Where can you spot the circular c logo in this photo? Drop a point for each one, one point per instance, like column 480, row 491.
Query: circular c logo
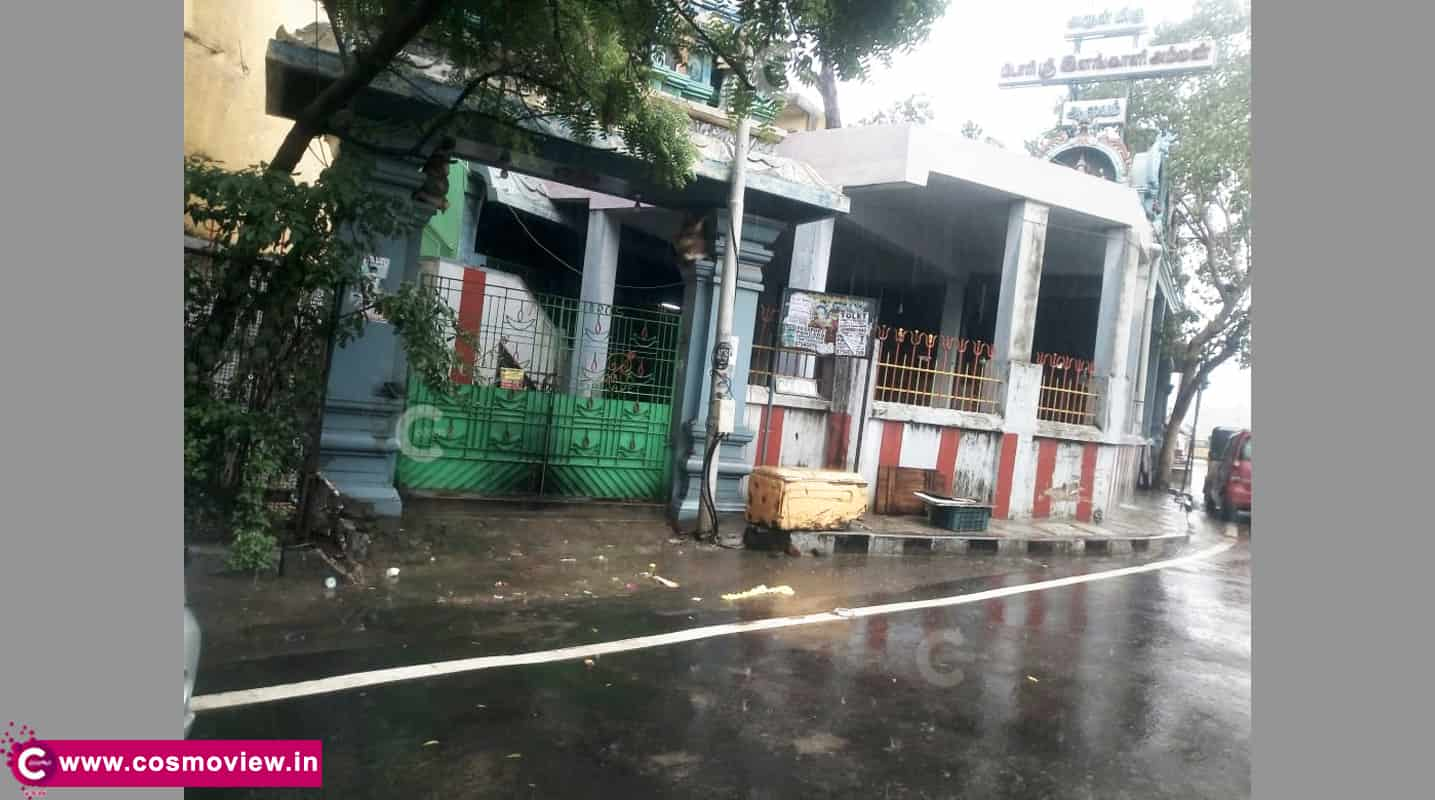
column 407, row 421
column 34, row 764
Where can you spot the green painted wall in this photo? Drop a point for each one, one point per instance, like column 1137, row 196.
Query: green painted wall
column 440, row 238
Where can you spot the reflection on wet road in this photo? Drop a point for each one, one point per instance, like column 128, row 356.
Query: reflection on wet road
column 1137, row 686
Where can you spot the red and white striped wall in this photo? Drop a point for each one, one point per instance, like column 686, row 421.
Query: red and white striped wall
column 1064, row 479
column 786, row 436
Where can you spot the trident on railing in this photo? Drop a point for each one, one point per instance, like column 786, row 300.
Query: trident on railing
column 1066, row 394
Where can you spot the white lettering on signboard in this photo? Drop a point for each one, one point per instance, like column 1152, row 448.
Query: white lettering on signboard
column 1169, row 59
column 1094, row 112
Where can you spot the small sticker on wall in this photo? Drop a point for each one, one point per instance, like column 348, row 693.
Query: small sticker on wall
column 377, row 267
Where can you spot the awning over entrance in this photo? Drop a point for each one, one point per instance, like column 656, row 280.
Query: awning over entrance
column 779, row 188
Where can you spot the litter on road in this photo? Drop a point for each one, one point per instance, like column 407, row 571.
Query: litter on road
column 760, row 590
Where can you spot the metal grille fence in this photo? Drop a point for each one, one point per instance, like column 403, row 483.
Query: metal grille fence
column 769, row 359
column 926, row 369
column 1068, row 392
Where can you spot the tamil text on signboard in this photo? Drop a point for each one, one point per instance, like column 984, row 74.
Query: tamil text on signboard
column 1094, row 112
column 1139, row 62
column 827, row 324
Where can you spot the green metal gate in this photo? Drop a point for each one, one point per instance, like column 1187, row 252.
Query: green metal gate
column 566, row 399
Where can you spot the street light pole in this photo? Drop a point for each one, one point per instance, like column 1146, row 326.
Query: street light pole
column 722, row 406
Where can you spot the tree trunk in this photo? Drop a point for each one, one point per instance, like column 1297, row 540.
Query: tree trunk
column 310, row 122
column 1185, row 393
column 827, row 85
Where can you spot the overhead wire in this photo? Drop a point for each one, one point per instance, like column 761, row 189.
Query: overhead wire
column 570, row 267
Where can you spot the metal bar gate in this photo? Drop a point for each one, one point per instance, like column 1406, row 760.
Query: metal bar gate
column 563, row 398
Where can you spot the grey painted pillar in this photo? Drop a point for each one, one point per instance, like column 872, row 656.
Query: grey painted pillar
column 952, row 303
column 1153, row 404
column 359, row 446
column 595, row 315
column 690, row 408
column 1143, row 319
column 1112, row 368
column 1021, row 281
column 1016, row 310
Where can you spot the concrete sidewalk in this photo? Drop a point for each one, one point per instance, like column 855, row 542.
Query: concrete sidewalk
column 1152, row 522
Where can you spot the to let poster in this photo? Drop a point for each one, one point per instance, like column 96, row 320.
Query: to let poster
column 827, row 324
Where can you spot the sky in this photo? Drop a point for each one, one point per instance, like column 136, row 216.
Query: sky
column 958, row 68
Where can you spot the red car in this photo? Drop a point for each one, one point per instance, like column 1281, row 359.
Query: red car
column 1227, row 489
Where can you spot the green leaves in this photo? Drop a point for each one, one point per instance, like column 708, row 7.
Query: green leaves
column 260, row 309
column 587, row 64
column 915, row 108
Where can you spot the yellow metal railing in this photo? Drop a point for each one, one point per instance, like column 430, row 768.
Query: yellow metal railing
column 767, row 358
column 1068, row 391
column 917, row 368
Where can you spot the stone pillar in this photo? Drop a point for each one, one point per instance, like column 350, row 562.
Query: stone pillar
column 952, row 303
column 696, row 340
column 1112, row 370
column 811, row 251
column 1021, row 281
column 1154, row 404
column 359, row 445
column 594, row 321
column 1144, row 320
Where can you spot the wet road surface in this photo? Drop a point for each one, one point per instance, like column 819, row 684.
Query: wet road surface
column 1132, row 687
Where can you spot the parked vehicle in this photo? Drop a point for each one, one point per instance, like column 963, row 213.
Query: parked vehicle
column 1227, row 489
column 1218, row 440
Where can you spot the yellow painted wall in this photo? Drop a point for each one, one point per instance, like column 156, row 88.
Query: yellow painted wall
column 224, row 46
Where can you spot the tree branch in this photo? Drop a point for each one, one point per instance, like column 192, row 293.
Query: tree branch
column 447, row 116
column 331, row 9
column 311, row 121
column 713, row 46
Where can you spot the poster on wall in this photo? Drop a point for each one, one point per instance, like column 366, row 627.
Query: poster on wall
column 827, row 324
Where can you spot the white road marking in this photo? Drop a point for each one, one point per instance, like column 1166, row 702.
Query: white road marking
column 358, row 680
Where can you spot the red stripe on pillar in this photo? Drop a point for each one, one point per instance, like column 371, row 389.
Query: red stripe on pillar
column 891, row 452
column 1088, row 482
column 1005, row 469
column 470, row 316
column 769, row 441
column 947, row 459
column 839, row 426
column 1045, row 472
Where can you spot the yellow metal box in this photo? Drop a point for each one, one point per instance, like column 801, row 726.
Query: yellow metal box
column 792, row 499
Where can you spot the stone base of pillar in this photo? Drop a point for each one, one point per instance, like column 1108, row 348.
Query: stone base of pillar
column 358, row 454
column 733, row 467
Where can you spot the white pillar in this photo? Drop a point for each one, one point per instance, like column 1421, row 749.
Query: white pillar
column 811, row 251
column 594, row 321
column 1119, row 283
column 1021, row 281
column 952, row 304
